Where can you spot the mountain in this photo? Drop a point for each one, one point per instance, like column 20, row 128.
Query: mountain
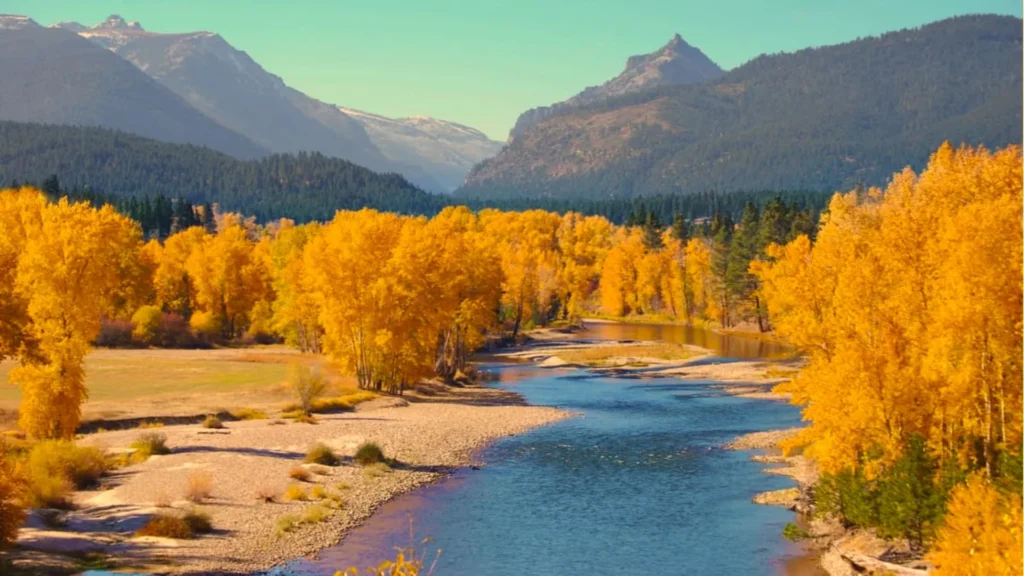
column 446, row 150
column 819, row 119
column 227, row 85
column 54, row 75
column 303, row 186
column 675, row 63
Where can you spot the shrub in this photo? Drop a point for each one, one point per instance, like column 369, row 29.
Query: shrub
column 369, row 453
column 794, row 533
column 308, row 384
column 198, row 487
column 175, row 333
column 182, row 527
column 50, row 492
column 114, row 334
column 296, row 493
column 376, row 470
column 12, row 511
column 314, row 514
column 212, row 421
column 147, row 322
column 342, row 486
column 299, row 473
column 198, row 521
column 167, row 526
column 286, row 523
column 304, row 418
column 318, row 492
column 320, row 453
column 341, row 403
column 249, row 414
column 150, row 444
column 82, row 466
column 205, row 325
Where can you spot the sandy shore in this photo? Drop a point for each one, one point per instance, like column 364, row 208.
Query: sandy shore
column 428, row 437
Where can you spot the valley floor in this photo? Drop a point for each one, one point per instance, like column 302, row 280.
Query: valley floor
column 427, row 433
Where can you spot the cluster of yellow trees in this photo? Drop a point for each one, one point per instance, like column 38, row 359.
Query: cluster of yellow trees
column 909, row 304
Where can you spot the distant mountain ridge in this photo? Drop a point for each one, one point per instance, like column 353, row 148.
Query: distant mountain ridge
column 55, row 76
column 674, row 63
column 227, row 85
column 304, row 186
column 826, row 119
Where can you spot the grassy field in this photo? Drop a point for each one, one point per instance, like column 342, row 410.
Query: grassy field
column 126, row 383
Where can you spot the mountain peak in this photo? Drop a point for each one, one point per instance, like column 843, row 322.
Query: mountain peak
column 116, row 22
column 674, row 63
column 15, row 22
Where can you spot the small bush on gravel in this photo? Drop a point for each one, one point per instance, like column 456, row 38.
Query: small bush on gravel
column 314, row 514
column 286, row 523
column 249, row 414
column 82, row 466
column 198, row 521
column 150, row 444
column 320, row 453
column 198, row 487
column 166, row 526
column 299, row 473
column 376, row 470
column 306, row 419
column 213, row 422
column 318, row 492
column 308, row 384
column 342, row 486
column 188, row 525
column 50, row 492
column 369, row 453
column 296, row 493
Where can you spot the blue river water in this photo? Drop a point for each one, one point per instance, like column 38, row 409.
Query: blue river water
column 636, row 484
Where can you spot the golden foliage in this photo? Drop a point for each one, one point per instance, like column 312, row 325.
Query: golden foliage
column 982, row 534
column 909, row 304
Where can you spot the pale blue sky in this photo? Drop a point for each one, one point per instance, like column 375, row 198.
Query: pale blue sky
column 482, row 62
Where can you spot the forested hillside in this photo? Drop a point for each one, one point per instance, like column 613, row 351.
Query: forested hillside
column 819, row 119
column 103, row 165
column 54, row 75
column 303, row 186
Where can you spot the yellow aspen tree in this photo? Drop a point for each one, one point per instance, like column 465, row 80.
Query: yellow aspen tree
column 982, row 533
column 68, row 274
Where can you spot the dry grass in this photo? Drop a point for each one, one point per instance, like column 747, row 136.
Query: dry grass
column 368, row 453
column 296, row 493
column 299, row 473
column 150, row 444
column 249, row 414
column 318, row 492
column 213, row 422
column 376, row 470
column 198, row 487
column 183, row 527
column 320, row 453
column 139, row 383
column 599, row 355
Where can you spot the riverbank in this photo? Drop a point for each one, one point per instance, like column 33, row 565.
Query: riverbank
column 429, row 433
column 748, row 378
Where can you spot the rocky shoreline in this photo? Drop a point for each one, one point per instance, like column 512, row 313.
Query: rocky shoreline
column 429, row 435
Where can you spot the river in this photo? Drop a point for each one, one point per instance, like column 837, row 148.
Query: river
column 637, row 484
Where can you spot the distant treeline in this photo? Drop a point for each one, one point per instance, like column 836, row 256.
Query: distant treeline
column 167, row 179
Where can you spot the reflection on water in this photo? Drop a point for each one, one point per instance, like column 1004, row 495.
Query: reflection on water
column 637, row 485
column 725, row 345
